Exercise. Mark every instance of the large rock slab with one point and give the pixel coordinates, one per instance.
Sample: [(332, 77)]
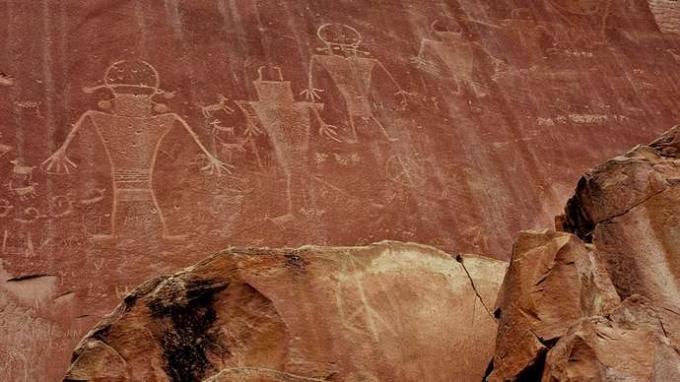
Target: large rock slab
[(632, 343), (388, 311), (609, 309), (553, 281), (628, 208)]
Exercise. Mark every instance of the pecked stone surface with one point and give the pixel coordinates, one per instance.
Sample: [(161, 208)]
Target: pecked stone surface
[(388, 311), (138, 136)]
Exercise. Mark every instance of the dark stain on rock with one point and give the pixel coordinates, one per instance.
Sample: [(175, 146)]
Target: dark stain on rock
[(188, 334), (102, 333), (295, 261), (577, 220)]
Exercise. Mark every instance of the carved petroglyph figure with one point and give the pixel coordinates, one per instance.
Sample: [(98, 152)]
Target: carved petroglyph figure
[(209, 110), (21, 181), (132, 133), (30, 106), (351, 73), (406, 171), (5, 207), (449, 54), (4, 149), (287, 123)]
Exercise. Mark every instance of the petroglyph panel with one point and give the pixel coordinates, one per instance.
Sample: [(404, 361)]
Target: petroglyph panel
[(135, 137)]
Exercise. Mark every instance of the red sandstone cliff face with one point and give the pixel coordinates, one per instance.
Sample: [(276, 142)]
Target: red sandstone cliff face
[(389, 311), (138, 136)]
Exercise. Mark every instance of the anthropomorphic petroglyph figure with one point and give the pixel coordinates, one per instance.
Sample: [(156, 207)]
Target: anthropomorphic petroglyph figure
[(449, 54), (21, 181), (351, 73), (287, 123), (5, 207), (4, 149), (132, 133)]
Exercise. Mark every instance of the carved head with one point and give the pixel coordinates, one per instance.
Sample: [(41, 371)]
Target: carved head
[(446, 28), (271, 86), (133, 85), (339, 38)]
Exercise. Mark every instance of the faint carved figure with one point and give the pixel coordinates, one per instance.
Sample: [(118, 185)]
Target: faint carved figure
[(5, 207), (449, 54), (533, 38), (406, 171), (287, 123), (4, 149), (221, 105), (94, 197), (61, 205), (351, 73), (21, 181), (666, 14), (29, 106), (132, 133)]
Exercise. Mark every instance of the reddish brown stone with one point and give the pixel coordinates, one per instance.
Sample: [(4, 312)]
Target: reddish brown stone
[(632, 343), (560, 317), (498, 108), (628, 208), (553, 281), (389, 311)]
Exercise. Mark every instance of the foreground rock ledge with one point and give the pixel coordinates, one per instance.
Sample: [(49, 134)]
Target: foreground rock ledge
[(384, 312), (603, 303)]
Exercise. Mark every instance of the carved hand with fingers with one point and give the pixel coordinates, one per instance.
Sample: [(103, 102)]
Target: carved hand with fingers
[(216, 166), (329, 131), (311, 94), (58, 163)]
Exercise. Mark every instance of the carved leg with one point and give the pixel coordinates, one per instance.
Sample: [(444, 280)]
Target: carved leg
[(384, 131)]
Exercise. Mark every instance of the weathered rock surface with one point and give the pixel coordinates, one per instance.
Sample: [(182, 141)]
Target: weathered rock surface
[(385, 312), (453, 123), (629, 207), (553, 281), (632, 343), (608, 310)]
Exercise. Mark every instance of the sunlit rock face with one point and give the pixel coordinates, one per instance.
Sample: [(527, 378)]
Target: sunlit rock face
[(137, 137), (388, 311), (608, 310)]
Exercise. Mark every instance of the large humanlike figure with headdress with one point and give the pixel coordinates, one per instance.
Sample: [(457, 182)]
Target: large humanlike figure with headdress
[(351, 72), (131, 130)]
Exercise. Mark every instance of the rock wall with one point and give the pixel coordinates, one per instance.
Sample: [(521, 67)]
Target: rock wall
[(138, 136)]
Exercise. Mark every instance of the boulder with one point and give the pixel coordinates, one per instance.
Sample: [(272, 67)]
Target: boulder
[(628, 207), (633, 343), (553, 281), (387, 311)]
